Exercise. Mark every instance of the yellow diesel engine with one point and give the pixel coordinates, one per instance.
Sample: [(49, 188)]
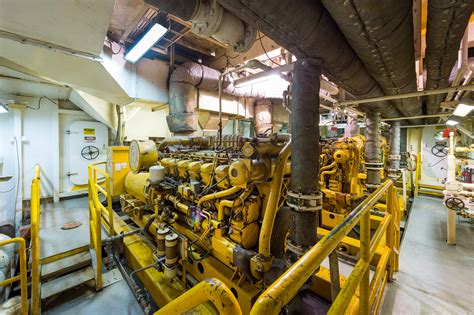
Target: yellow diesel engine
[(210, 206)]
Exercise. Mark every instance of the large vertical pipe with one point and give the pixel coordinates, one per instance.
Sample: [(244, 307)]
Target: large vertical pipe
[(373, 152), (394, 157), (304, 189)]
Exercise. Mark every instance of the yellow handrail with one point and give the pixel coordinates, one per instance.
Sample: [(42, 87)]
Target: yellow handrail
[(35, 245), (210, 290), (285, 288), (22, 276), (99, 214)]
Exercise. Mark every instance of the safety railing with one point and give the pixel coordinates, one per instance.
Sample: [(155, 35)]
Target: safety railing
[(99, 184), (22, 276), (285, 288), (35, 243)]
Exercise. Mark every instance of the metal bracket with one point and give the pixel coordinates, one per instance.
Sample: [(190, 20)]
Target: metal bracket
[(305, 203)]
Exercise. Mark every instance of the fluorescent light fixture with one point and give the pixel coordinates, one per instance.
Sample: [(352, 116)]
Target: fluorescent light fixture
[(462, 110), (263, 76), (3, 109), (451, 122), (146, 42)]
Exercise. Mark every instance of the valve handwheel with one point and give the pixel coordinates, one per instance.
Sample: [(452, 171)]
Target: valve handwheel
[(439, 150), (90, 152), (454, 204)]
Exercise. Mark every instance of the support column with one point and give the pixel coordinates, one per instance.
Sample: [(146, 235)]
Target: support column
[(394, 157), (304, 197), (373, 152)]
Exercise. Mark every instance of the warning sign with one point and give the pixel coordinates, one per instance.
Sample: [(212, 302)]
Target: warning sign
[(89, 135)]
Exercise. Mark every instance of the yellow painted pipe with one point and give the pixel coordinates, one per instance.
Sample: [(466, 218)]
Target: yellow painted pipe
[(210, 290), (323, 174), (177, 204), (229, 204), (272, 203), (285, 288), (218, 195), (327, 167)]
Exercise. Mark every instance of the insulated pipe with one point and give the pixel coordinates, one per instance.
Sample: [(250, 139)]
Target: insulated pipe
[(373, 152), (313, 34), (304, 156), (394, 158), (381, 34), (209, 19), (184, 82), (447, 22)]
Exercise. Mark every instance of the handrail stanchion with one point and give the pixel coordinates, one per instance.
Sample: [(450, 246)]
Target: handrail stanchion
[(35, 245), (22, 276)]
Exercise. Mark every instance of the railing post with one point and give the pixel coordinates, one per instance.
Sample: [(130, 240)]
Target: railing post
[(109, 206), (389, 238), (35, 257), (365, 256)]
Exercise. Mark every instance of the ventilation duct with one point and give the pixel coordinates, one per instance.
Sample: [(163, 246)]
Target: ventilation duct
[(313, 34), (209, 19), (381, 33), (447, 21), (184, 81)]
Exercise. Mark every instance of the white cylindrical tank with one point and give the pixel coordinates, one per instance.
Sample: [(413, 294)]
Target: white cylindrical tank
[(157, 174)]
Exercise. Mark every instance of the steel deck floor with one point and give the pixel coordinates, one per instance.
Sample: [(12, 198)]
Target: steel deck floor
[(114, 299), (434, 277)]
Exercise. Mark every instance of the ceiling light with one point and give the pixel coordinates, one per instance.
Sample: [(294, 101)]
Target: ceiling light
[(146, 42), (451, 122), (262, 76), (3, 109), (462, 110)]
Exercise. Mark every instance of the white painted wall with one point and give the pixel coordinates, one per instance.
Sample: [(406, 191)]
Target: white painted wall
[(36, 144), (145, 123)]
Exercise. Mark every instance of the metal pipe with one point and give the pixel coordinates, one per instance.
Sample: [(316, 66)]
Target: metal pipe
[(446, 25), (304, 195), (313, 35), (406, 95), (210, 290), (218, 195), (417, 117), (385, 46), (394, 158), (272, 203), (373, 151)]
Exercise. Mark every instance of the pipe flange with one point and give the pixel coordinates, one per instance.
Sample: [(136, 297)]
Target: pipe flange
[(395, 157), (298, 250), (305, 203), (207, 19), (375, 186), (248, 41), (374, 166)]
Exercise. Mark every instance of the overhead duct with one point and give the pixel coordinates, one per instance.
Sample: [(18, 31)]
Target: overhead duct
[(313, 34), (381, 34), (184, 81), (447, 21), (209, 19)]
